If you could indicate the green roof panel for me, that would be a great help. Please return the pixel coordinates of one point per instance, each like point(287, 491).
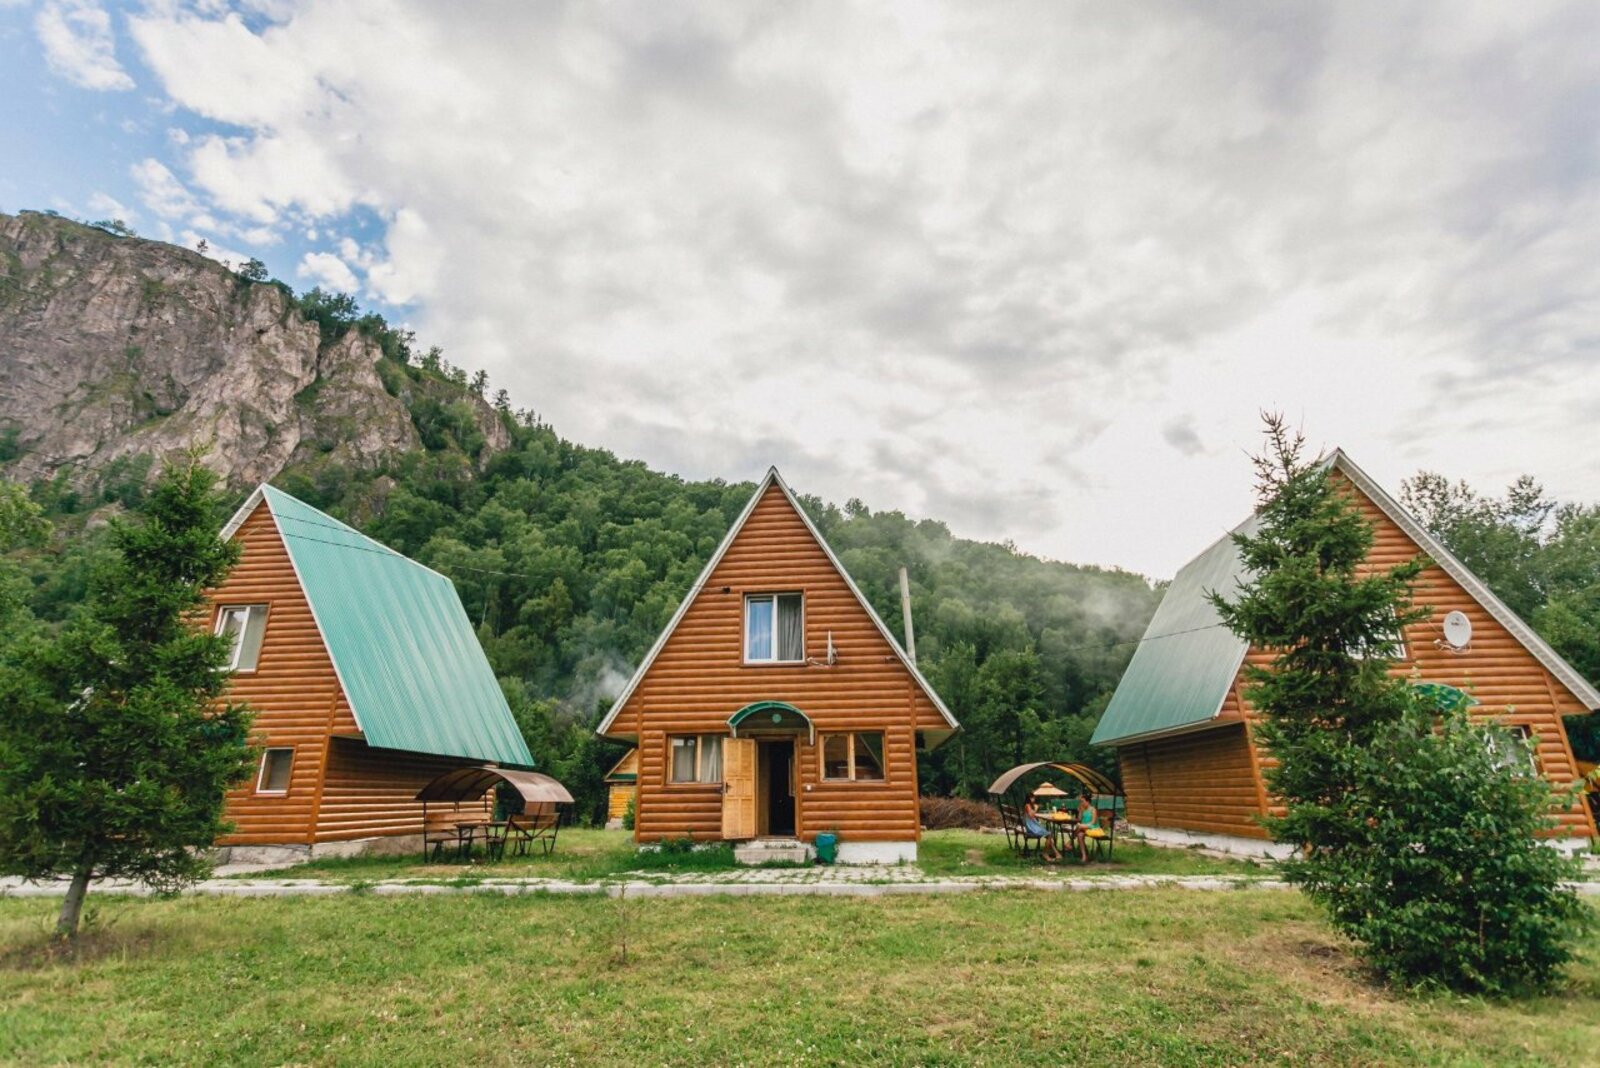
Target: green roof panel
point(401, 643)
point(1182, 668)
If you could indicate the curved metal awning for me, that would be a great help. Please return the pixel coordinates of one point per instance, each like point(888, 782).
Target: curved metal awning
point(772, 716)
point(1082, 772)
point(469, 784)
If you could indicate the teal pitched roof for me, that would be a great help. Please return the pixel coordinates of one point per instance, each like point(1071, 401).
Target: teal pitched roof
point(401, 643)
point(1181, 670)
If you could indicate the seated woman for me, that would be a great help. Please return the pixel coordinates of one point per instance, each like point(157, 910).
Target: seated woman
point(1088, 827)
point(1035, 828)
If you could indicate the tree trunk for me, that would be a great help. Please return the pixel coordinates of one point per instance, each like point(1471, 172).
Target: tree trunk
point(72, 906)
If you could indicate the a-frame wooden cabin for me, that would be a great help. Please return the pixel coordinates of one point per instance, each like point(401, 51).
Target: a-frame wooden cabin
point(365, 677)
point(776, 704)
point(1184, 732)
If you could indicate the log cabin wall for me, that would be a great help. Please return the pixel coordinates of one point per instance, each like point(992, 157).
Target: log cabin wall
point(294, 692)
point(699, 679)
point(1202, 781)
point(369, 792)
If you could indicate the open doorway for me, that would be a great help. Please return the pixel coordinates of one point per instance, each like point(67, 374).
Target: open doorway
point(775, 792)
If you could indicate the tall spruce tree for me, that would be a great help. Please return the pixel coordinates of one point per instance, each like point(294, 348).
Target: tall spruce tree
point(1416, 827)
point(115, 751)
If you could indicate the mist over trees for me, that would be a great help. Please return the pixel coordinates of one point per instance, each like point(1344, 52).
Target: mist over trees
point(570, 561)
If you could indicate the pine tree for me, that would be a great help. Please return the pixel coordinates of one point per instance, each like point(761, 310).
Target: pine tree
point(115, 751)
point(1416, 827)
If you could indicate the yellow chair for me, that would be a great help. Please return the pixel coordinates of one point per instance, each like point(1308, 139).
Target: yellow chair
point(1089, 827)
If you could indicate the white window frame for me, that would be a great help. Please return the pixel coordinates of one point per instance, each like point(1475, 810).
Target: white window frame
point(223, 611)
point(1397, 637)
point(699, 760)
point(261, 773)
point(744, 628)
point(850, 756)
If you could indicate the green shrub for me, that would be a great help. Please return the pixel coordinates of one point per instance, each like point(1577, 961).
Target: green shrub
point(1448, 883)
point(627, 815)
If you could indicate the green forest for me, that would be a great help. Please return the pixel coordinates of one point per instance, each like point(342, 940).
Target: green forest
point(570, 561)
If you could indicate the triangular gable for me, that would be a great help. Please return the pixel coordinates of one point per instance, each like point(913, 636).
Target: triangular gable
point(626, 769)
point(773, 478)
point(1183, 668)
point(402, 646)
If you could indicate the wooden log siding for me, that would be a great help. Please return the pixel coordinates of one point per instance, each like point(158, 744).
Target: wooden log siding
point(293, 692)
point(699, 679)
point(1510, 684)
point(1198, 782)
point(339, 788)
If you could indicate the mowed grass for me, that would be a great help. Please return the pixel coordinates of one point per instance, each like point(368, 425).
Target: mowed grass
point(1142, 977)
point(591, 855)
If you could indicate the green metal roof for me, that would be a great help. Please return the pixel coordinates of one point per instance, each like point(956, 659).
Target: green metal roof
point(400, 640)
point(1181, 670)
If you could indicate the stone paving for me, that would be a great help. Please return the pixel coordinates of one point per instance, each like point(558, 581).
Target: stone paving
point(865, 881)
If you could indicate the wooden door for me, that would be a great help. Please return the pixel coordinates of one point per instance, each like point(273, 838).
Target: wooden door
point(738, 788)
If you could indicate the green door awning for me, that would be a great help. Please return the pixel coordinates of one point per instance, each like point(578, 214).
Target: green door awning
point(771, 716)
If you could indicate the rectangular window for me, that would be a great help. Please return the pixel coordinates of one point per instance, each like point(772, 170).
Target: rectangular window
point(774, 628)
point(696, 758)
point(1392, 646)
point(1513, 754)
point(244, 625)
point(275, 767)
point(854, 757)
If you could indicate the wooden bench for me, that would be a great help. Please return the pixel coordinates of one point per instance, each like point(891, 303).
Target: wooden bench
point(535, 824)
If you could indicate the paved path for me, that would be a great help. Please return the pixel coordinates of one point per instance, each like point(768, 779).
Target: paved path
point(816, 882)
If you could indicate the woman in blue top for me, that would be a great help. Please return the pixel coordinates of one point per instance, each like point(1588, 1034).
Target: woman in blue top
point(1036, 829)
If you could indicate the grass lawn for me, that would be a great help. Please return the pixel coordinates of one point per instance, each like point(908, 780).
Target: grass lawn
point(586, 856)
point(1007, 977)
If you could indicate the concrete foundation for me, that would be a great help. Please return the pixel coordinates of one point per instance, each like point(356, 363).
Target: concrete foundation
point(877, 852)
point(288, 853)
point(1237, 845)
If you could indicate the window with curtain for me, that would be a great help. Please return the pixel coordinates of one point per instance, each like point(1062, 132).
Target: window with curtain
point(696, 758)
point(856, 757)
point(774, 628)
point(243, 625)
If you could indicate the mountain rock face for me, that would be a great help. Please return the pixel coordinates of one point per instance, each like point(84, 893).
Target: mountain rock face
point(115, 347)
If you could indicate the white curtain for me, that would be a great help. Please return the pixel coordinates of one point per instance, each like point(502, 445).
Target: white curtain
point(711, 758)
point(683, 760)
point(791, 636)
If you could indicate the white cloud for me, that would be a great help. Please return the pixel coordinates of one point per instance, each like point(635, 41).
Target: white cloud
point(79, 45)
point(161, 190)
point(1035, 275)
point(328, 271)
point(105, 206)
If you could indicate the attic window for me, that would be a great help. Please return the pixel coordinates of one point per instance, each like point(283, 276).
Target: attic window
point(244, 624)
point(774, 628)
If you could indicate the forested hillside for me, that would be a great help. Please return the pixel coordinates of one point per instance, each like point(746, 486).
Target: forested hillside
point(571, 560)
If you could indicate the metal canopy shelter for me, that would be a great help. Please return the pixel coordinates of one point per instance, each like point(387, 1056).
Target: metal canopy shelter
point(1082, 772)
point(537, 822)
point(469, 784)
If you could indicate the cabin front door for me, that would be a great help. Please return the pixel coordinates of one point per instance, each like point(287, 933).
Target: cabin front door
point(738, 788)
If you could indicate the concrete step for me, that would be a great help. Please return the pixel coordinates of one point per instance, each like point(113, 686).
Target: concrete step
point(772, 850)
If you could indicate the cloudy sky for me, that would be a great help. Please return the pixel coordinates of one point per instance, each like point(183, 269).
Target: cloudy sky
point(1032, 269)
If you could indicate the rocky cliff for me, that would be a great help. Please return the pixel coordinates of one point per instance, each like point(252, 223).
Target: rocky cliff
point(114, 347)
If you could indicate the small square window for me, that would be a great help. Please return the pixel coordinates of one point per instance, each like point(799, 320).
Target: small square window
point(276, 765)
point(774, 628)
point(244, 625)
point(854, 757)
point(1513, 754)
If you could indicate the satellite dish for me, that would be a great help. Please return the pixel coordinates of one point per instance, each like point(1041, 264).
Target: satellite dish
point(1457, 630)
point(832, 654)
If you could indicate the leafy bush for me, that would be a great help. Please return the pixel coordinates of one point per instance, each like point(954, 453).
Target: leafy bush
point(1448, 883)
point(945, 813)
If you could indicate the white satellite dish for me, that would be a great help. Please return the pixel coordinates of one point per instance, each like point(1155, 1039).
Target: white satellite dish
point(1457, 630)
point(833, 656)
